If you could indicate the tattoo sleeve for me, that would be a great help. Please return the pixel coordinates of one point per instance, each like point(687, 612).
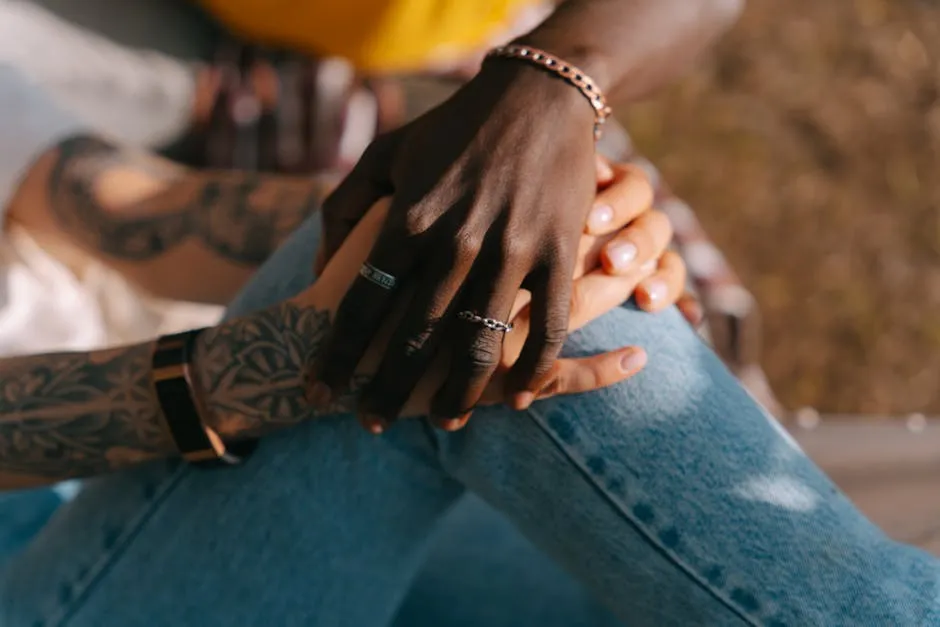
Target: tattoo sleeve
point(82, 414)
point(77, 414)
point(253, 372)
point(239, 216)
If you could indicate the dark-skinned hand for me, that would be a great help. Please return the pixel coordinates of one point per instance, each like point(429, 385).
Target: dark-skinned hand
point(490, 192)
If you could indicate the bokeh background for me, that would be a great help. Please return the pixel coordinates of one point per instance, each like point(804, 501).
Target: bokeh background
point(809, 147)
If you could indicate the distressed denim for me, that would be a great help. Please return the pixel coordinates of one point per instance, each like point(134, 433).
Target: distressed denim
point(672, 497)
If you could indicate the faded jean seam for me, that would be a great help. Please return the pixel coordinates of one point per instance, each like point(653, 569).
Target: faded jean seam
point(164, 488)
point(573, 456)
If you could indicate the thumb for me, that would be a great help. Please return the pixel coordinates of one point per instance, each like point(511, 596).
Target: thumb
point(367, 183)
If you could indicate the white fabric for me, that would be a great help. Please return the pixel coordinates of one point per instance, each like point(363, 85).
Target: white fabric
point(46, 306)
point(142, 97)
point(30, 124)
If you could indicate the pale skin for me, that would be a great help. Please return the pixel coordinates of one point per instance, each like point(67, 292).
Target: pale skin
point(176, 232)
point(81, 414)
point(489, 191)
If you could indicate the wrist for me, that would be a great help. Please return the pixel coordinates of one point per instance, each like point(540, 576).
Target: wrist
point(252, 371)
point(572, 89)
point(590, 59)
point(181, 403)
point(211, 367)
point(537, 89)
point(203, 371)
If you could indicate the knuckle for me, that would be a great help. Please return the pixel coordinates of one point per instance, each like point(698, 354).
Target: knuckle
point(589, 378)
point(554, 335)
point(552, 339)
point(418, 341)
point(416, 222)
point(542, 368)
point(581, 299)
point(483, 355)
point(561, 242)
point(552, 253)
point(416, 344)
point(517, 244)
point(480, 363)
point(554, 386)
point(468, 243)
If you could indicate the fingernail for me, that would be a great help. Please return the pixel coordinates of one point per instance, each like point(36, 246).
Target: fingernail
point(374, 423)
point(453, 424)
point(655, 291)
point(632, 361)
point(600, 218)
point(621, 255)
point(319, 395)
point(649, 266)
point(524, 400)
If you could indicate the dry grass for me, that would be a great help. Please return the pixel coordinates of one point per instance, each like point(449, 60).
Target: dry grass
point(810, 148)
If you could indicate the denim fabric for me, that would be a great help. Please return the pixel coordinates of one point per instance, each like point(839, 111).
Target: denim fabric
point(480, 572)
point(22, 515)
point(672, 497)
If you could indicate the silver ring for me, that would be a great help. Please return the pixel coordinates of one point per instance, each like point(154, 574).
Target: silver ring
point(489, 323)
point(382, 279)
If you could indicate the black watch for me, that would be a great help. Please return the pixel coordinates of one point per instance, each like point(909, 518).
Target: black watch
point(198, 443)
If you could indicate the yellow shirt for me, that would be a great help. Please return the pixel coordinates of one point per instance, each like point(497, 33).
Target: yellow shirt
point(385, 35)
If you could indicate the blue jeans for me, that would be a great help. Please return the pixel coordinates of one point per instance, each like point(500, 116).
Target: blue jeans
point(672, 497)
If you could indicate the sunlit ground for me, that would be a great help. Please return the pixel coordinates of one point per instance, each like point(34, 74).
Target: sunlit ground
point(810, 148)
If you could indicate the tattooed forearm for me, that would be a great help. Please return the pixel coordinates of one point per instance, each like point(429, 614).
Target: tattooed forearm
point(77, 414)
point(241, 217)
point(253, 370)
point(82, 414)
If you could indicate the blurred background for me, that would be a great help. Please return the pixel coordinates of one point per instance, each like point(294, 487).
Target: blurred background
point(808, 146)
